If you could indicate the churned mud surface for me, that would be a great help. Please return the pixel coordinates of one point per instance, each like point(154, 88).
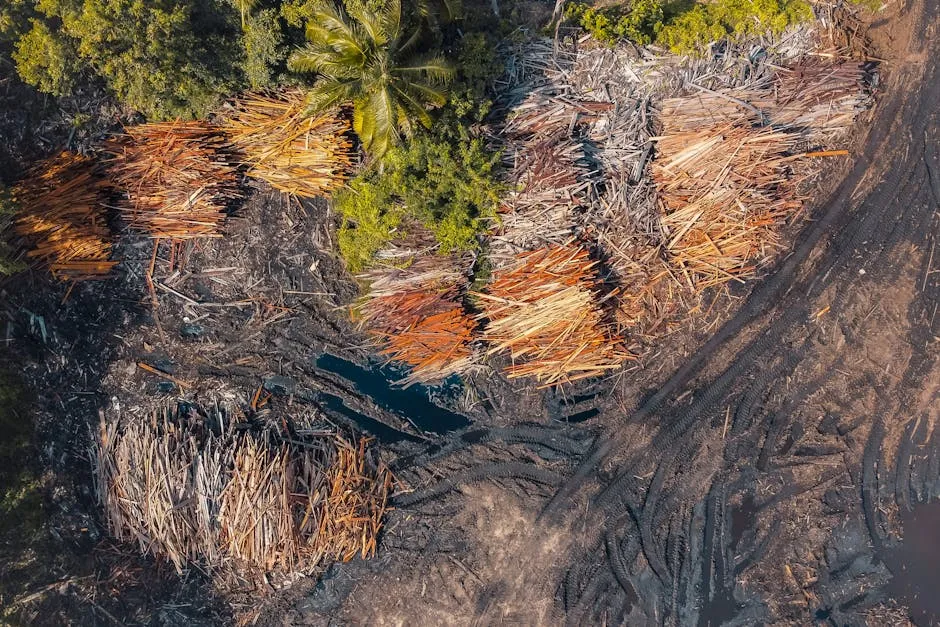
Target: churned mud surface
point(783, 474)
point(779, 465)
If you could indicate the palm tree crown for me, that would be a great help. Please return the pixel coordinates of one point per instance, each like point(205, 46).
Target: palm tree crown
point(363, 58)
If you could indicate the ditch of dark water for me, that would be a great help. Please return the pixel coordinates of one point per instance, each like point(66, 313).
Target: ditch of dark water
point(418, 404)
point(915, 564)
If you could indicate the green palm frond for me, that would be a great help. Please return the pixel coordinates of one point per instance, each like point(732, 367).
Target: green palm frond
point(435, 68)
point(383, 112)
point(409, 43)
point(332, 19)
point(325, 61)
point(413, 106)
point(391, 19)
point(351, 42)
point(363, 121)
point(423, 92)
point(357, 55)
point(372, 24)
point(327, 94)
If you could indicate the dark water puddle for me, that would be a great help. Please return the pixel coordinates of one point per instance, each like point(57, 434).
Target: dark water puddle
point(332, 404)
point(915, 564)
point(414, 403)
point(582, 416)
point(722, 609)
point(742, 518)
point(381, 431)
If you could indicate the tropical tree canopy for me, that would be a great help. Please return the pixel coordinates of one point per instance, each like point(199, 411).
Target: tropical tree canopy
point(363, 57)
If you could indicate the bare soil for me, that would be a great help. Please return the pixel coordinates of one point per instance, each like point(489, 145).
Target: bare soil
point(764, 465)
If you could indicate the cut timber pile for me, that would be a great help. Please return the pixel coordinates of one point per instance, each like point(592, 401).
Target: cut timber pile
point(725, 190)
point(206, 488)
point(61, 217)
point(295, 153)
point(704, 108)
point(176, 177)
point(727, 163)
point(546, 310)
point(817, 99)
point(549, 173)
point(417, 313)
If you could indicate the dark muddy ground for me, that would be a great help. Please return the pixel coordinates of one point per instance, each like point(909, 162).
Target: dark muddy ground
point(784, 469)
point(784, 474)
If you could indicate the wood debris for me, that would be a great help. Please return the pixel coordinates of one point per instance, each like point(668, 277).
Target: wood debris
point(281, 144)
point(546, 310)
point(61, 217)
point(549, 173)
point(176, 177)
point(204, 487)
point(819, 98)
point(727, 169)
point(417, 313)
point(725, 191)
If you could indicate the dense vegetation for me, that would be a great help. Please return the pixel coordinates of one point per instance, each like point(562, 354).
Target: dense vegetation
point(415, 77)
point(686, 28)
point(443, 178)
point(166, 58)
point(446, 186)
point(366, 57)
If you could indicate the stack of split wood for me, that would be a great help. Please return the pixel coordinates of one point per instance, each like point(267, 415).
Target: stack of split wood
point(203, 487)
point(549, 172)
point(177, 179)
point(725, 190)
point(818, 98)
point(61, 217)
point(704, 108)
point(727, 165)
point(547, 311)
point(295, 153)
point(418, 315)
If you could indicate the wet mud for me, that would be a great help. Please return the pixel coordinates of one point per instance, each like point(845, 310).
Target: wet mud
point(787, 473)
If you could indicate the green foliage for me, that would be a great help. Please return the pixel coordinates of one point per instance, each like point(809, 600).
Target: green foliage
point(166, 58)
point(45, 61)
point(263, 39)
point(297, 12)
point(15, 16)
point(638, 21)
point(371, 218)
point(438, 13)
point(705, 23)
point(478, 66)
point(364, 57)
point(449, 187)
point(688, 29)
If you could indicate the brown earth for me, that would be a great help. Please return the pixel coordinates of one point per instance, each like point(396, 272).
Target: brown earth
point(770, 479)
point(761, 467)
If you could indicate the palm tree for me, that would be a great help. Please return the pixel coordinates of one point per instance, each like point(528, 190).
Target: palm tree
point(244, 7)
point(366, 60)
